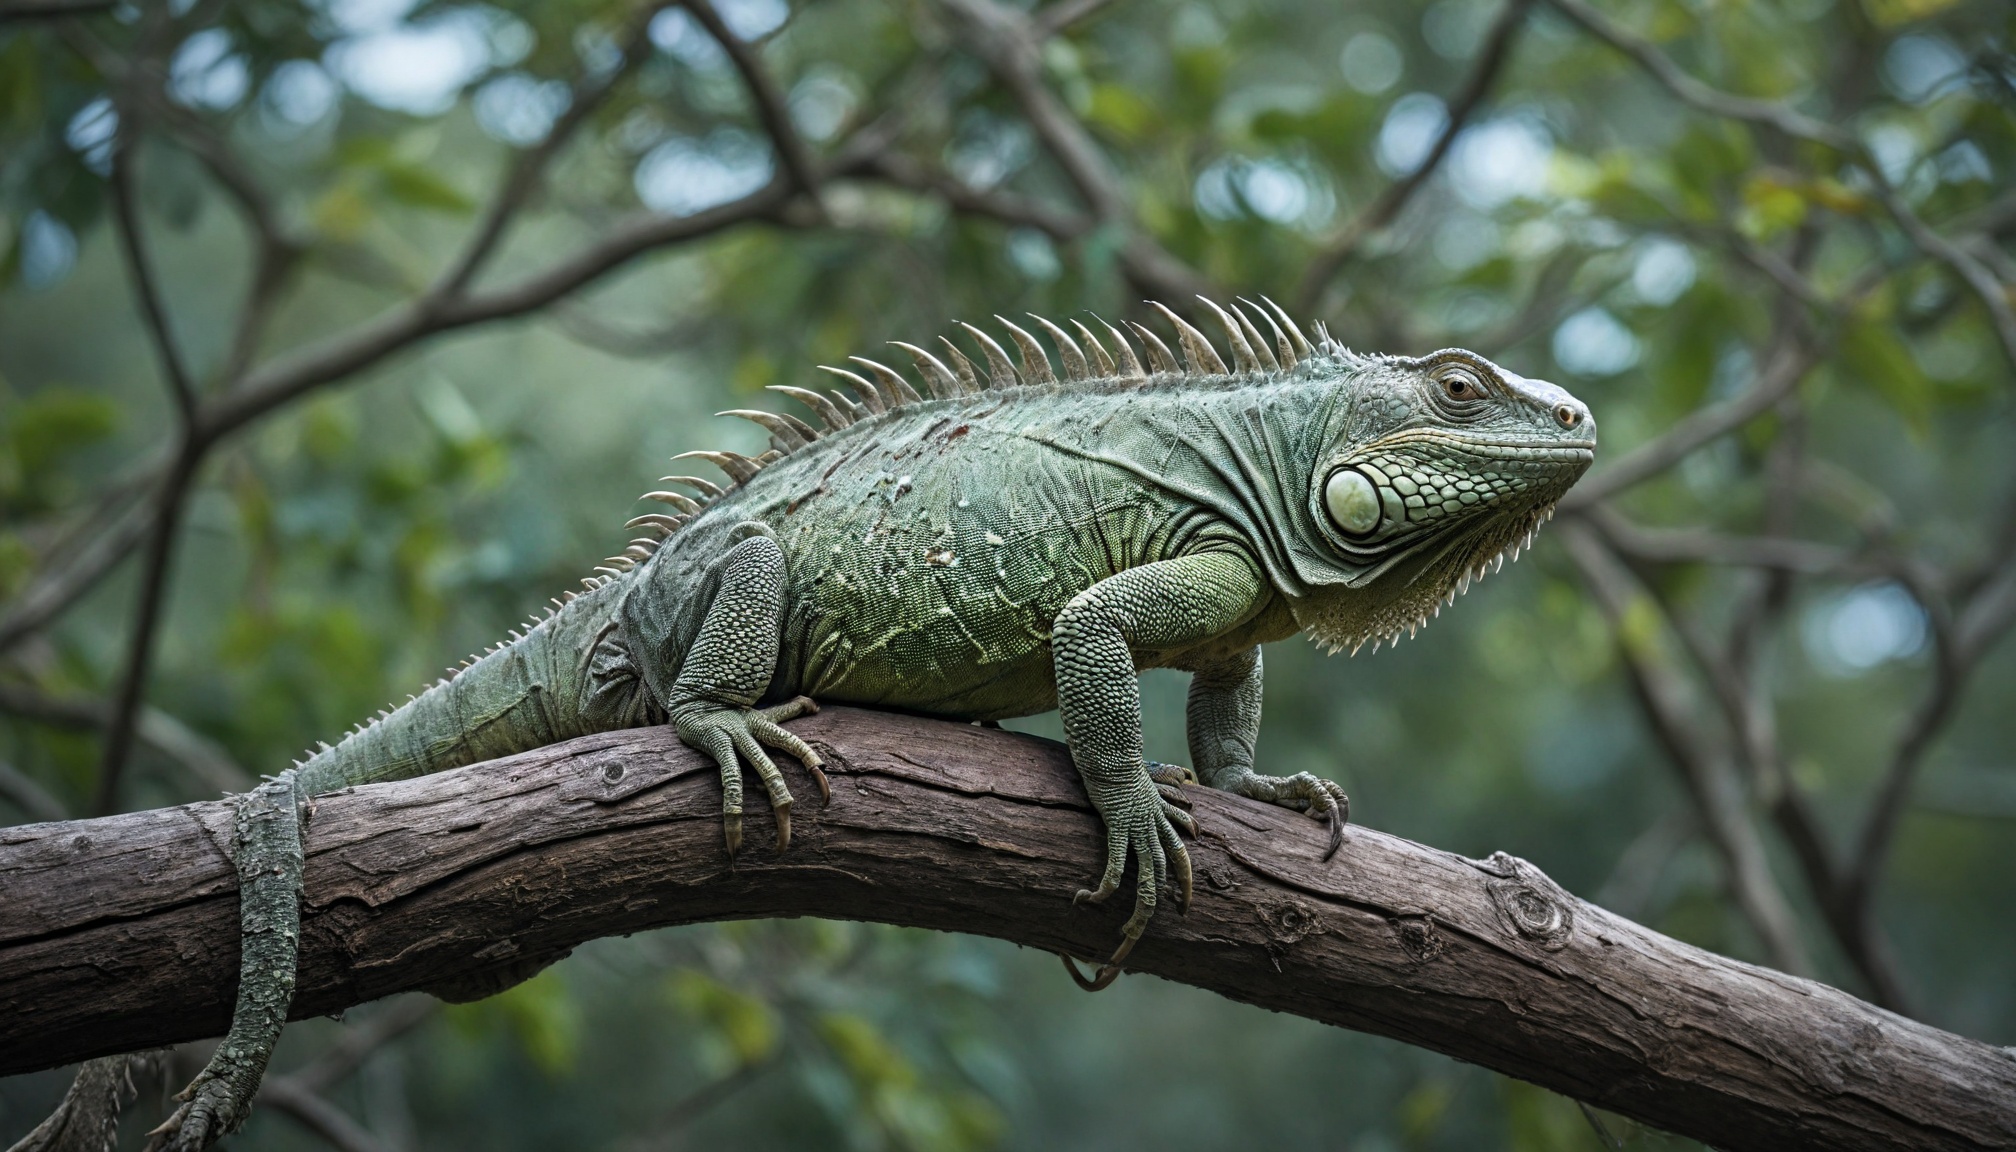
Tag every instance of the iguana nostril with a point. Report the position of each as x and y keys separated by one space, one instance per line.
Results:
x=1568 y=415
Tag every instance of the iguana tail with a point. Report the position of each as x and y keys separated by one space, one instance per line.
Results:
x=563 y=677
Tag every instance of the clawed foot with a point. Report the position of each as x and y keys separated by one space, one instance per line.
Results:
x=1320 y=798
x=1141 y=823
x=208 y=1110
x=730 y=735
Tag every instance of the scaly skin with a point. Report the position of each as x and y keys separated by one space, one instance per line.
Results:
x=987 y=553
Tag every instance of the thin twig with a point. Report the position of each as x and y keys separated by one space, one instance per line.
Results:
x=1958 y=646
x=277 y=382
x=205 y=761
x=342 y=1058
x=1012 y=45
x=671 y=1125
x=57 y=589
x=1787 y=366
x=1703 y=546
x=139 y=659
x=1065 y=14
x=140 y=271
x=1690 y=91
x=1483 y=76
x=318 y=1115
x=52 y=9
x=1748 y=715
x=24 y=793
x=1704 y=770
x=528 y=171
x=771 y=108
x=1798 y=125
x=1013 y=208
x=190 y=446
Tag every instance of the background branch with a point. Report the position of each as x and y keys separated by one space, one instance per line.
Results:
x=1477 y=84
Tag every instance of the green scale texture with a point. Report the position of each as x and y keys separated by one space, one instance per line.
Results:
x=990 y=552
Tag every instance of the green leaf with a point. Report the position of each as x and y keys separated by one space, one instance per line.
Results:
x=1772 y=206
x=1872 y=353
x=869 y=1058
x=56 y=422
x=1120 y=110
x=414 y=185
x=539 y=1013
x=745 y=1024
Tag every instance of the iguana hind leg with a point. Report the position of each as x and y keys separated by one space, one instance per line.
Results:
x=1224 y=726
x=711 y=703
x=267 y=849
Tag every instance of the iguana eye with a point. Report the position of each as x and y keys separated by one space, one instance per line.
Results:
x=1352 y=501
x=1459 y=383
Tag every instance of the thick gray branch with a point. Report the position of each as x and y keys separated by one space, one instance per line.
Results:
x=121 y=933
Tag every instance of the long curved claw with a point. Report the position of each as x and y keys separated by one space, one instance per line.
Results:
x=1304 y=792
x=1107 y=973
x=731 y=736
x=791 y=709
x=205 y=1113
x=1094 y=895
x=1340 y=815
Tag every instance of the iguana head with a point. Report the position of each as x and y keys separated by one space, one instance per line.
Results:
x=1437 y=468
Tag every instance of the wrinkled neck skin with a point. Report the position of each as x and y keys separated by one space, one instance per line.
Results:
x=1460 y=484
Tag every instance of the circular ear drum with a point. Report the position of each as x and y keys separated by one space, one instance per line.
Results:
x=1352 y=501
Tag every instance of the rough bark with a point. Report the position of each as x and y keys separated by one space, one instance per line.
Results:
x=120 y=933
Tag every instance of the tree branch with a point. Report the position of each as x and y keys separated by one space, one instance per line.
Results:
x=167 y=523
x=1704 y=769
x=529 y=169
x=190 y=447
x=52 y=9
x=1793 y=123
x=121 y=933
x=54 y=591
x=1792 y=361
x=205 y=762
x=1747 y=710
x=140 y=270
x=1011 y=43
x=771 y=108
x=1483 y=76
x=318 y=1115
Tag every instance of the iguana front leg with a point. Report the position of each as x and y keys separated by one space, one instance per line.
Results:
x=1165 y=605
x=711 y=703
x=1224 y=725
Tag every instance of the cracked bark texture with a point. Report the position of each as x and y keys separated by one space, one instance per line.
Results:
x=121 y=933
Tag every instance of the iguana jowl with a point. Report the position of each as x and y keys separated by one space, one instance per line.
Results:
x=1005 y=546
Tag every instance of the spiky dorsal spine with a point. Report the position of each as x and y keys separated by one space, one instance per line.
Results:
x=1084 y=358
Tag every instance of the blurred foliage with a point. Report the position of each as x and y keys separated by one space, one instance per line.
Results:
x=1585 y=227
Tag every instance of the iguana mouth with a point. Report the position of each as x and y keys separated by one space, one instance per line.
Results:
x=1492 y=447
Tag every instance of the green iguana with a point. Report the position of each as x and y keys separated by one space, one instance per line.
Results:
x=1001 y=548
